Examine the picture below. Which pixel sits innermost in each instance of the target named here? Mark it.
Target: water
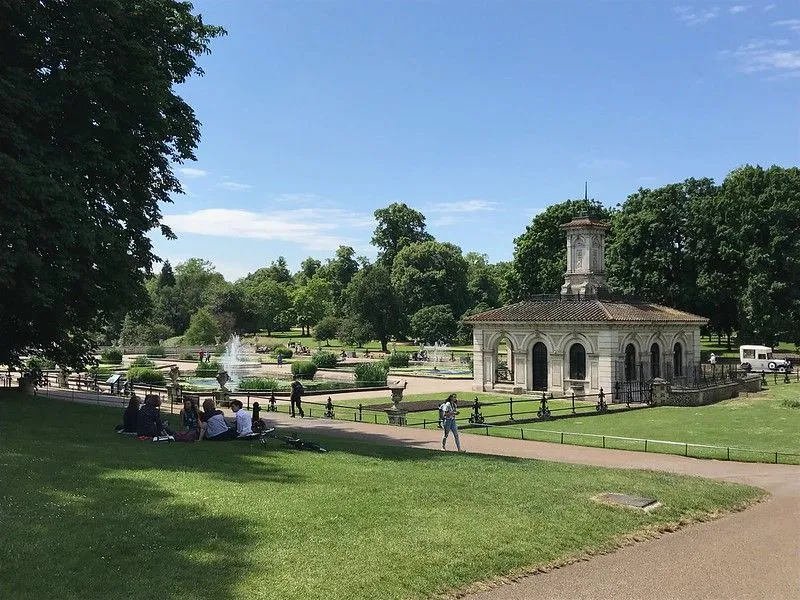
(437, 354)
(234, 361)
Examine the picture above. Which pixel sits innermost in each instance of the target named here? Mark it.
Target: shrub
(189, 356)
(398, 359)
(283, 351)
(146, 375)
(142, 361)
(304, 369)
(371, 374)
(112, 357)
(38, 363)
(325, 360)
(156, 351)
(326, 329)
(207, 369)
(203, 329)
(256, 384)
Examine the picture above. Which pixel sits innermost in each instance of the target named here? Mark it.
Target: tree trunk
(729, 339)
(384, 342)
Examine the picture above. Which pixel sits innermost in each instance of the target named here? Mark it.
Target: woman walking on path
(450, 410)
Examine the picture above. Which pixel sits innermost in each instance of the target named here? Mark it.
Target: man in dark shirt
(297, 394)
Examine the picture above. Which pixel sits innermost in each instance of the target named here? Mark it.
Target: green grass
(764, 422)
(90, 514)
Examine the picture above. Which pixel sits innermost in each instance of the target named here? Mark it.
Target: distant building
(583, 339)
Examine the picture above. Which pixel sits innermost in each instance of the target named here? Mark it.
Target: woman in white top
(449, 411)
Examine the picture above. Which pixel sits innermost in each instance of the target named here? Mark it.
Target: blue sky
(478, 114)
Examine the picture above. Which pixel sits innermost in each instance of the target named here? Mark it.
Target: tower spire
(586, 190)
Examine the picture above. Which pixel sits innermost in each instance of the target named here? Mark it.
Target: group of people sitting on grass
(209, 424)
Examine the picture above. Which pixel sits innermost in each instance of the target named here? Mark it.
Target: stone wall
(699, 397)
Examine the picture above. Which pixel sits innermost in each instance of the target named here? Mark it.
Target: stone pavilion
(583, 339)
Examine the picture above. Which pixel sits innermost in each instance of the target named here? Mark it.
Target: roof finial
(586, 190)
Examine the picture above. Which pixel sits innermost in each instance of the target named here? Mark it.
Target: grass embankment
(90, 514)
(764, 422)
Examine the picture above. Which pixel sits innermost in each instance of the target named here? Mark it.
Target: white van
(760, 358)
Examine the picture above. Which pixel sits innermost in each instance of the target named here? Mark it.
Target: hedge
(325, 360)
(255, 384)
(371, 374)
(283, 351)
(398, 359)
(112, 357)
(207, 369)
(156, 351)
(304, 369)
(142, 361)
(146, 375)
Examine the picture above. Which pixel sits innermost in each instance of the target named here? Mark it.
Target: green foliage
(431, 273)
(80, 219)
(146, 375)
(326, 329)
(304, 369)
(371, 374)
(203, 329)
(325, 360)
(266, 302)
(398, 359)
(464, 330)
(112, 356)
(312, 301)
(189, 356)
(339, 271)
(354, 331)
(207, 369)
(142, 361)
(284, 351)
(540, 254)
(156, 351)
(256, 384)
(374, 308)
(39, 363)
(397, 227)
(791, 402)
(434, 324)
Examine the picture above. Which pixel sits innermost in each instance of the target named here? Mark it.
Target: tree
(311, 302)
(540, 254)
(203, 329)
(308, 268)
(339, 272)
(354, 331)
(464, 331)
(373, 300)
(431, 273)
(90, 126)
(651, 254)
(484, 280)
(195, 281)
(762, 210)
(166, 278)
(398, 226)
(266, 304)
(326, 329)
(434, 324)
(278, 270)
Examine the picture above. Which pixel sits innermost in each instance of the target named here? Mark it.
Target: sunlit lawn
(87, 513)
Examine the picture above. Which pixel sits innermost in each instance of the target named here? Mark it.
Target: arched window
(577, 362)
(630, 363)
(655, 361)
(677, 360)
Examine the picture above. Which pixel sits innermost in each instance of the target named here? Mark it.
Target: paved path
(754, 554)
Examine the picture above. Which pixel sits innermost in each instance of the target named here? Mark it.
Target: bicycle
(294, 441)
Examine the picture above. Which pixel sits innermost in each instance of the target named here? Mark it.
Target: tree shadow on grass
(91, 514)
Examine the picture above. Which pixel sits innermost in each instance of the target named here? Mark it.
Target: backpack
(441, 411)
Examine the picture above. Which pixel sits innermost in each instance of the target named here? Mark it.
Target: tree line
(729, 252)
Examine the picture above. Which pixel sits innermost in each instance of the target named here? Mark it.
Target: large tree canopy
(90, 125)
(398, 226)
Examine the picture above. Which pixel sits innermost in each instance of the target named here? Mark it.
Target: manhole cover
(626, 500)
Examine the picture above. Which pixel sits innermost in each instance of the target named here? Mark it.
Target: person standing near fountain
(297, 394)
(450, 410)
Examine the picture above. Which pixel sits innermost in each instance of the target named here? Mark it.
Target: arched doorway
(677, 360)
(577, 362)
(539, 366)
(503, 361)
(630, 362)
(655, 361)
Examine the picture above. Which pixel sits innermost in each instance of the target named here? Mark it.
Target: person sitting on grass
(148, 420)
(130, 416)
(190, 422)
(216, 427)
(244, 422)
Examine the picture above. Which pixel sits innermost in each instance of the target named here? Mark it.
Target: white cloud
(738, 8)
(464, 206)
(313, 229)
(192, 172)
(692, 17)
(790, 24)
(604, 164)
(233, 186)
(771, 57)
(768, 7)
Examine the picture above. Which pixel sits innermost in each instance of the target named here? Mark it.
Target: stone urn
(397, 415)
(222, 396)
(173, 387)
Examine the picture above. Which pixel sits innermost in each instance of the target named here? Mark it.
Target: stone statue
(222, 379)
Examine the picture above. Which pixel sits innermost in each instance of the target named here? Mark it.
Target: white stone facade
(604, 345)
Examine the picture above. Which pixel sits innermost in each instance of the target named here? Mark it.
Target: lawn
(760, 422)
(90, 514)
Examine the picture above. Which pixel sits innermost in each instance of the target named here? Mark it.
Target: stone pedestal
(661, 389)
(397, 416)
(62, 379)
(222, 397)
(173, 393)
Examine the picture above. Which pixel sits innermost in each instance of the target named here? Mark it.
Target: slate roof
(585, 311)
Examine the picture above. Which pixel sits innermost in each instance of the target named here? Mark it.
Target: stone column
(661, 390)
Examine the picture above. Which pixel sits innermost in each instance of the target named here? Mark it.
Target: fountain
(234, 361)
